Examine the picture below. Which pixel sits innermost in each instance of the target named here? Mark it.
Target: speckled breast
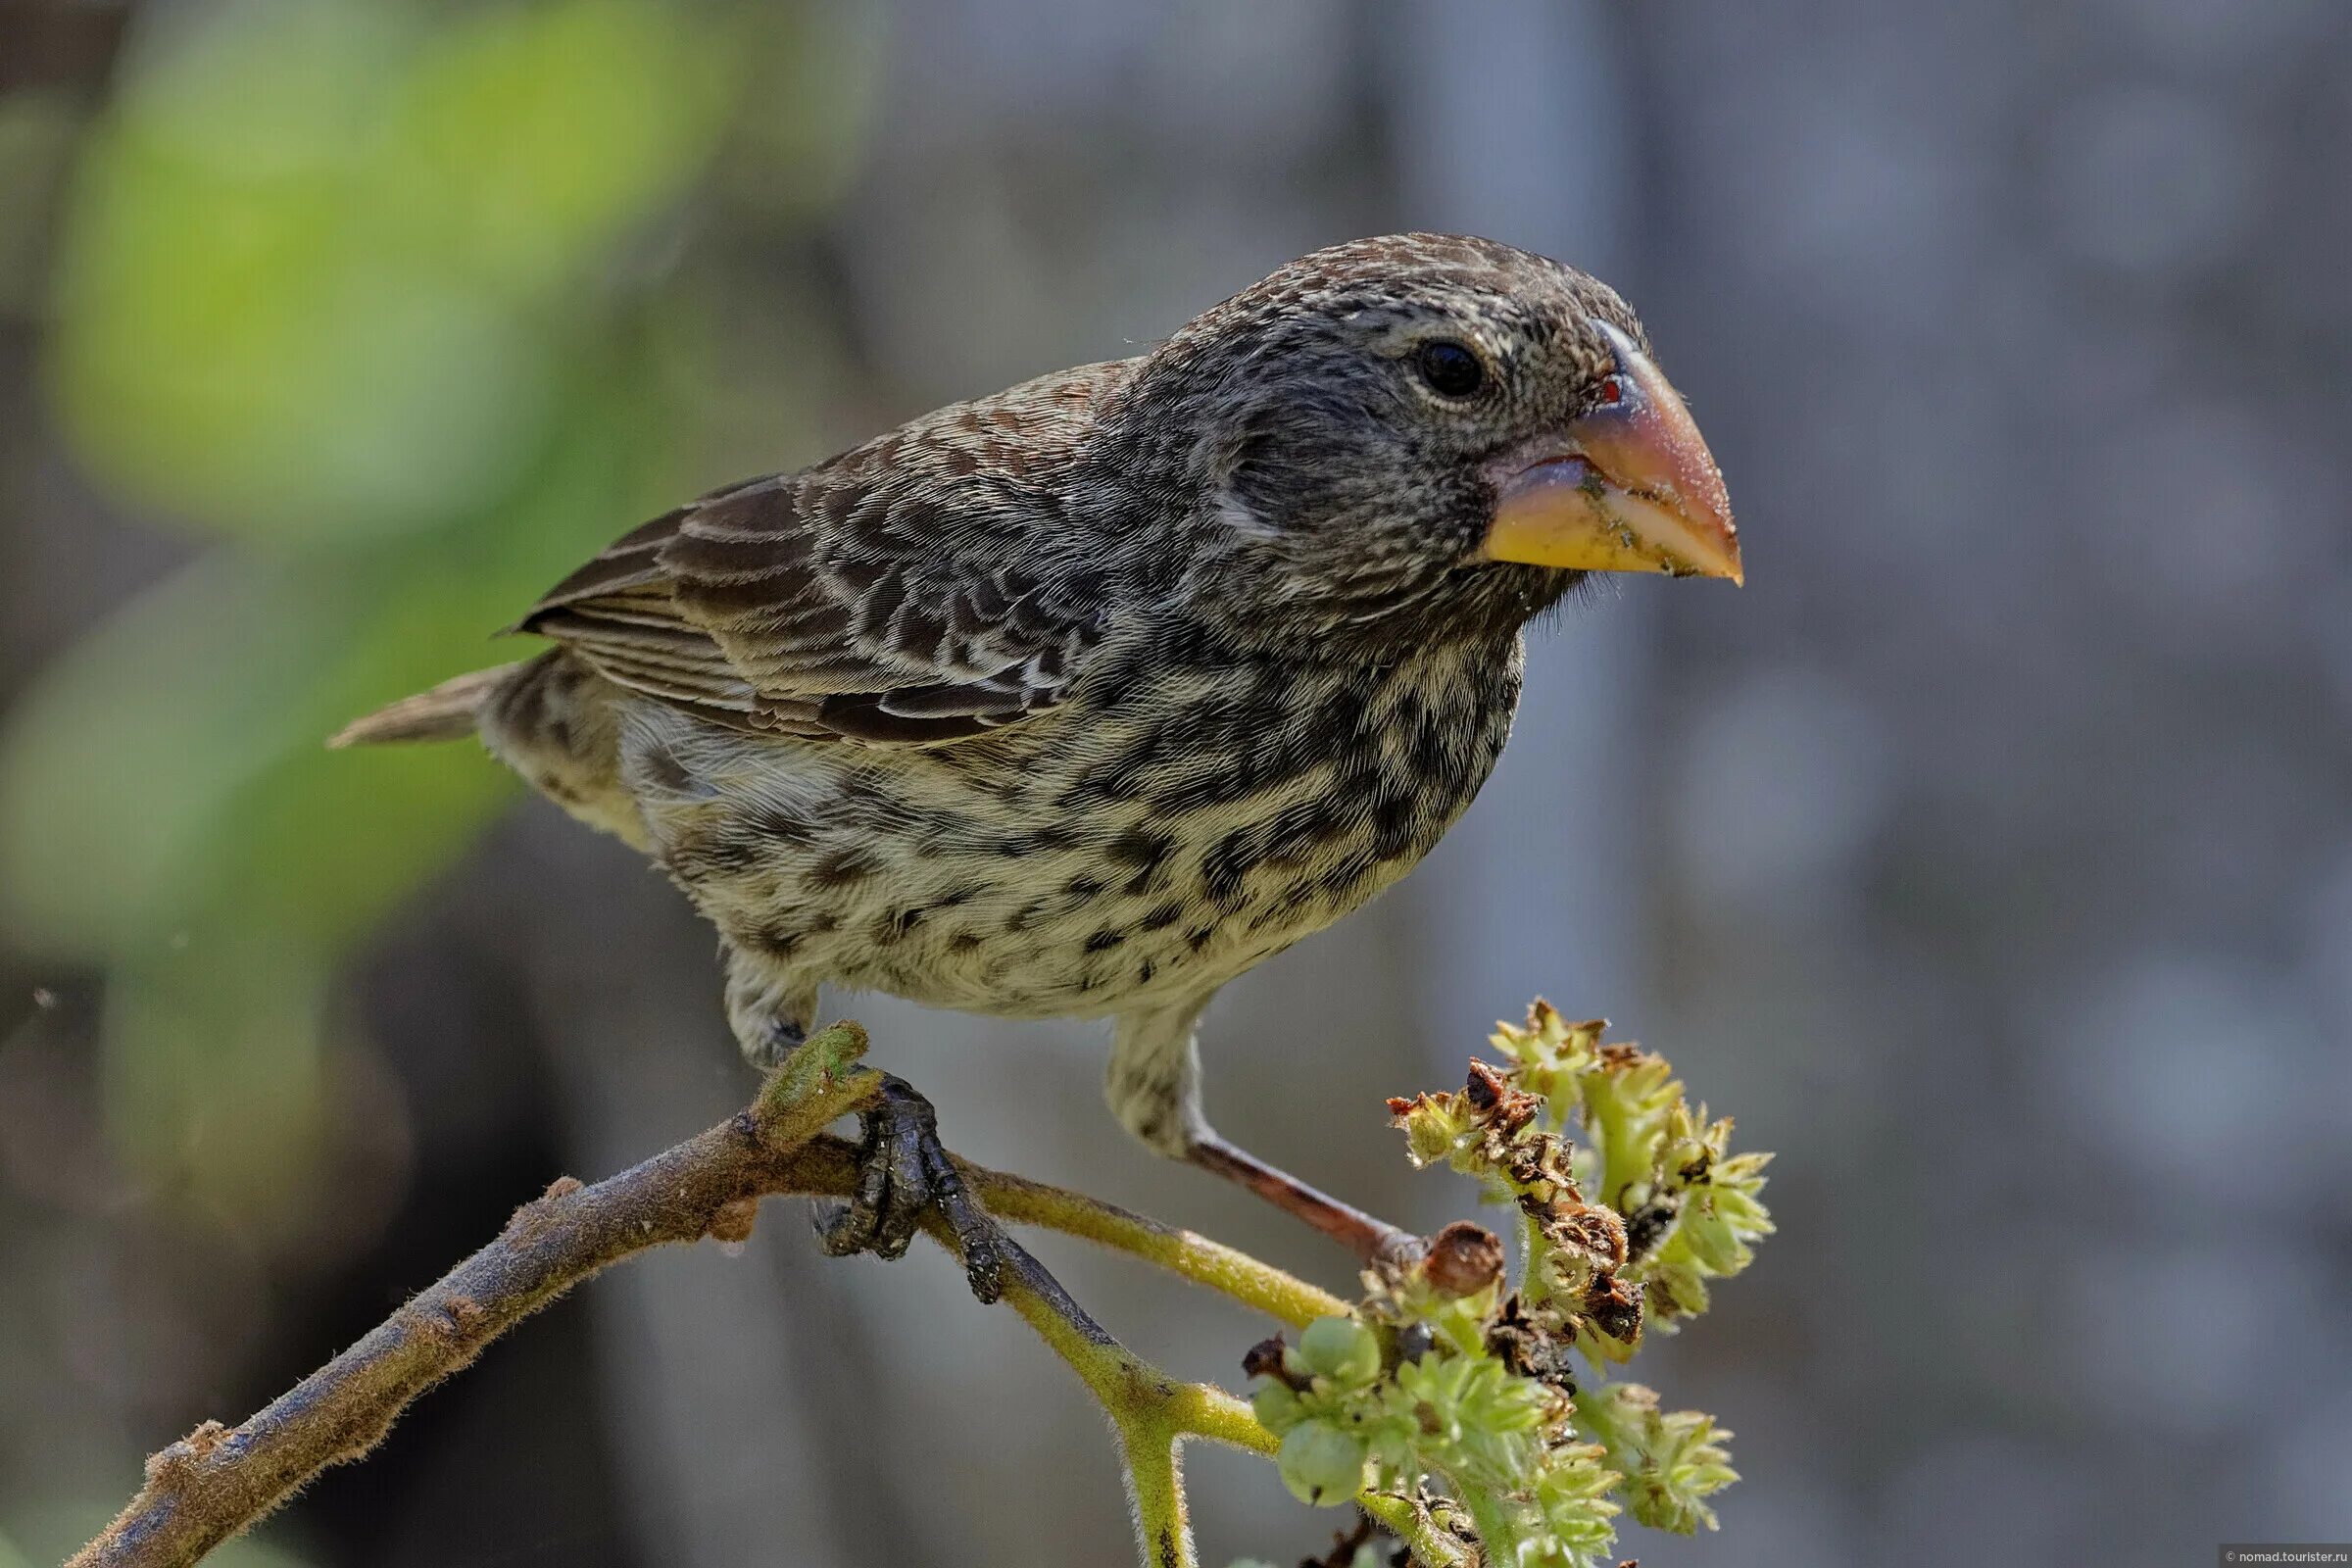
(1172, 825)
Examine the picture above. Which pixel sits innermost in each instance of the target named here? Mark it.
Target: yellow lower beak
(1631, 488)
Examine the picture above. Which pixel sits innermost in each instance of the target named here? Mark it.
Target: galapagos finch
(1080, 700)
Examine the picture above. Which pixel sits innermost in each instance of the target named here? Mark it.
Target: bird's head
(1425, 432)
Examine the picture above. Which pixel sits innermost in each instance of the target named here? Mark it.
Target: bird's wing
(924, 587)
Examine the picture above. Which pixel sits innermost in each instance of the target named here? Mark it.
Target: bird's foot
(903, 1174)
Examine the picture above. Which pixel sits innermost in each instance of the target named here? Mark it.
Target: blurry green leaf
(123, 752)
(260, 91)
(345, 279)
(174, 759)
(332, 840)
(529, 136)
(813, 85)
(213, 1072)
(203, 299)
(359, 336)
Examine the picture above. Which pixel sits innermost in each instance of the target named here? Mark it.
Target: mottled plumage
(1084, 698)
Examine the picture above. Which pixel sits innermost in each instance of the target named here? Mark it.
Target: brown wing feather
(628, 561)
(921, 588)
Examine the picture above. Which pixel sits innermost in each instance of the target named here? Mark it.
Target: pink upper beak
(1632, 487)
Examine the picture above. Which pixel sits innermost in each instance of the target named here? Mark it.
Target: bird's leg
(902, 1173)
(1153, 1086)
(769, 1013)
(1371, 1240)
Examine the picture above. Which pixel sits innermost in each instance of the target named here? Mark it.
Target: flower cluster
(1455, 1386)
(1690, 1206)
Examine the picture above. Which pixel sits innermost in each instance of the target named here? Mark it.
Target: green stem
(1496, 1533)
(1185, 1254)
(1607, 1123)
(1163, 1530)
(1534, 1289)
(1431, 1547)
(1152, 1411)
(1205, 1410)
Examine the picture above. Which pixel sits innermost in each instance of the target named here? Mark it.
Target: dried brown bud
(1463, 1258)
(1646, 1225)
(733, 1219)
(1486, 1088)
(1593, 1230)
(1614, 1307)
(533, 1218)
(1491, 1094)
(1534, 1348)
(1264, 1361)
(170, 1466)
(1541, 1160)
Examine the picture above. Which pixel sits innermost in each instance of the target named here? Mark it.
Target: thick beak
(1629, 487)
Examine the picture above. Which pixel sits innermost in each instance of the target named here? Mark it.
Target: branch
(218, 1480)
(1187, 1254)
(1442, 1403)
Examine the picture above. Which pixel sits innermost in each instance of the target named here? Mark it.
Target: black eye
(1450, 369)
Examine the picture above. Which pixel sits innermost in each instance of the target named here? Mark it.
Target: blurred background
(1990, 857)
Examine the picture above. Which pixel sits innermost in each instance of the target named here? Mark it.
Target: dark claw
(850, 1227)
(902, 1154)
(975, 1231)
(902, 1172)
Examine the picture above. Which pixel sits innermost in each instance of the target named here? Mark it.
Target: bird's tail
(447, 712)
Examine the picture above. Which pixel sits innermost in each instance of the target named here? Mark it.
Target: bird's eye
(1450, 369)
(1612, 391)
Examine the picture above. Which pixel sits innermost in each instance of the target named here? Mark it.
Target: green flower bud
(1276, 1407)
(1341, 1350)
(1321, 1464)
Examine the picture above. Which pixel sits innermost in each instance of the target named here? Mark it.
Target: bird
(1080, 700)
